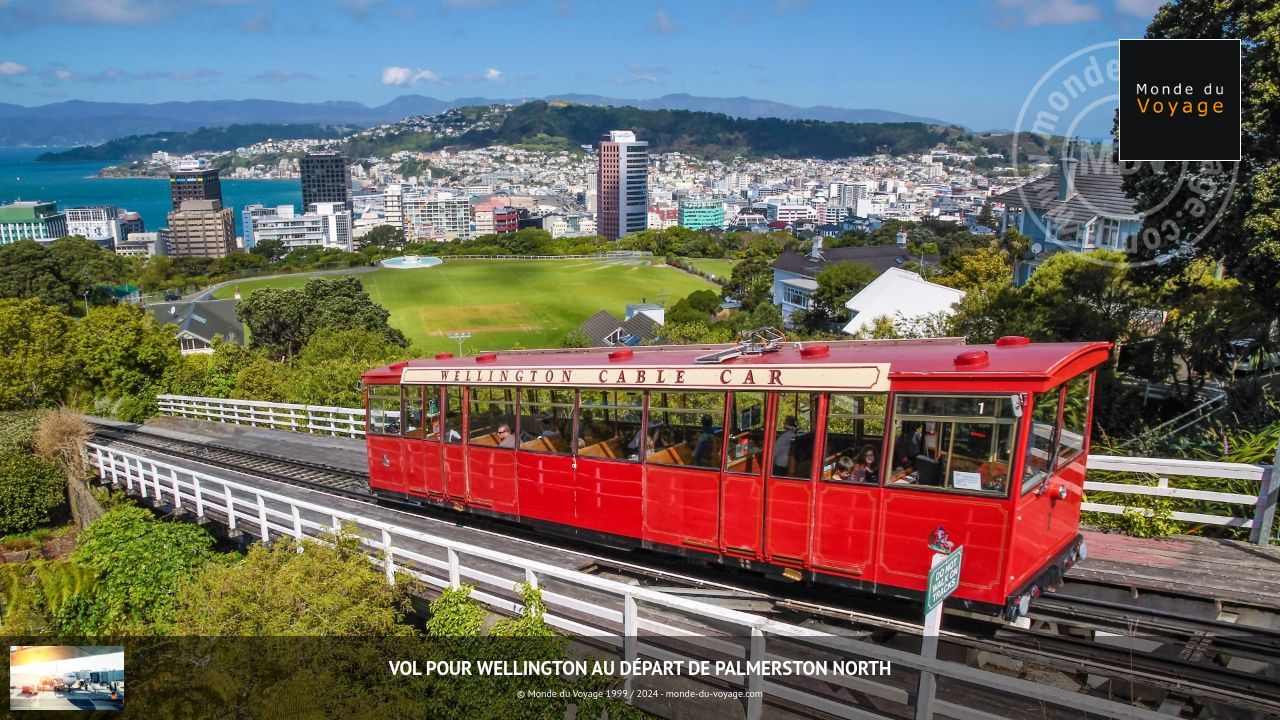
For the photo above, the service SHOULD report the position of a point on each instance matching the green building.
(39, 221)
(699, 214)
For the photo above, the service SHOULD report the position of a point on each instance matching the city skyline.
(902, 58)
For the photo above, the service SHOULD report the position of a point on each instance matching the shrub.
(17, 430)
(60, 436)
(30, 489)
(135, 409)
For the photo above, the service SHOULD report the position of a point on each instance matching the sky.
(967, 61)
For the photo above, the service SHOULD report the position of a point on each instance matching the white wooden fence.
(634, 620)
(350, 422)
(315, 419)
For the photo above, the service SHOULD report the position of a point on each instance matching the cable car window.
(431, 410)
(746, 433)
(546, 421)
(958, 443)
(855, 434)
(1075, 413)
(793, 440)
(686, 428)
(1043, 440)
(412, 411)
(384, 409)
(492, 417)
(453, 414)
(609, 424)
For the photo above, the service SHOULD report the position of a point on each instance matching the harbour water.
(71, 184)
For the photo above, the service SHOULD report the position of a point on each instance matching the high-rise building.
(623, 186)
(202, 228)
(26, 220)
(699, 214)
(100, 223)
(325, 179)
(194, 184)
(249, 215)
(130, 222)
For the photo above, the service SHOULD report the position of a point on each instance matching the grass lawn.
(504, 302)
(713, 266)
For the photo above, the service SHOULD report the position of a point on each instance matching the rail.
(638, 622)
(314, 419)
(1162, 470)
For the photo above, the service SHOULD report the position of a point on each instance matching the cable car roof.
(825, 365)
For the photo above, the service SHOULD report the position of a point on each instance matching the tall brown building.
(193, 185)
(202, 228)
(622, 190)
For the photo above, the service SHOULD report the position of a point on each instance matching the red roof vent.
(486, 357)
(443, 356)
(815, 351)
(972, 359)
(623, 354)
(1013, 341)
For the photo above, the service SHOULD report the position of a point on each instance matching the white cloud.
(1140, 8)
(495, 75)
(648, 70)
(394, 75)
(88, 12)
(642, 78)
(276, 77)
(9, 68)
(662, 22)
(1051, 12)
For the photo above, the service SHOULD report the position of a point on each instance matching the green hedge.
(30, 489)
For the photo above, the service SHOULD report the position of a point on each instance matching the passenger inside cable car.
(954, 442)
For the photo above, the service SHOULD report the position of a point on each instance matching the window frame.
(406, 391)
(370, 392)
(1029, 484)
(471, 400)
(568, 436)
(858, 417)
(891, 431)
(730, 422)
(642, 425)
(684, 411)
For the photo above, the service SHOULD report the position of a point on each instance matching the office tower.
(623, 185)
(193, 184)
(202, 228)
(28, 220)
(325, 179)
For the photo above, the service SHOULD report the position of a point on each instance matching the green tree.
(85, 265)
(30, 270)
(987, 217)
(1083, 296)
(273, 250)
(750, 283)
(985, 267)
(575, 338)
(1246, 235)
(262, 379)
(223, 367)
(328, 589)
(142, 564)
(383, 236)
(124, 351)
(837, 283)
(282, 321)
(37, 358)
(30, 489)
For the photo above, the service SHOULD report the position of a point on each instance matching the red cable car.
(848, 463)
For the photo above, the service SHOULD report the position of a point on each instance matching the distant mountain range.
(80, 122)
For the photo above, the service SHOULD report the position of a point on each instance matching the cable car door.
(454, 453)
(847, 494)
(789, 476)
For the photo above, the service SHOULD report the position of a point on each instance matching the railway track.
(1190, 659)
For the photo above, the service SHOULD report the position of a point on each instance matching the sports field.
(712, 266)
(504, 302)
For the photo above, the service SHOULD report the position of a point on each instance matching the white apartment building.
(99, 223)
(145, 244)
(436, 217)
(327, 225)
(483, 220)
(789, 212)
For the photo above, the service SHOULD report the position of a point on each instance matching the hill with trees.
(215, 139)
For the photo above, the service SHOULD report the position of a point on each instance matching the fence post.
(630, 636)
(231, 507)
(262, 518)
(755, 680)
(391, 564)
(455, 572)
(1265, 515)
(297, 526)
(195, 483)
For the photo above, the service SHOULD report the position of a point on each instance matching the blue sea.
(71, 184)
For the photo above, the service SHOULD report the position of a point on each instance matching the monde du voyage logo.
(1180, 100)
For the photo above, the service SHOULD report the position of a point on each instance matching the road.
(63, 700)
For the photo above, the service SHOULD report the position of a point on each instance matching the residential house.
(605, 330)
(1078, 208)
(795, 275)
(199, 322)
(901, 295)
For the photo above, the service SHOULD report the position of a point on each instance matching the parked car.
(1251, 356)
